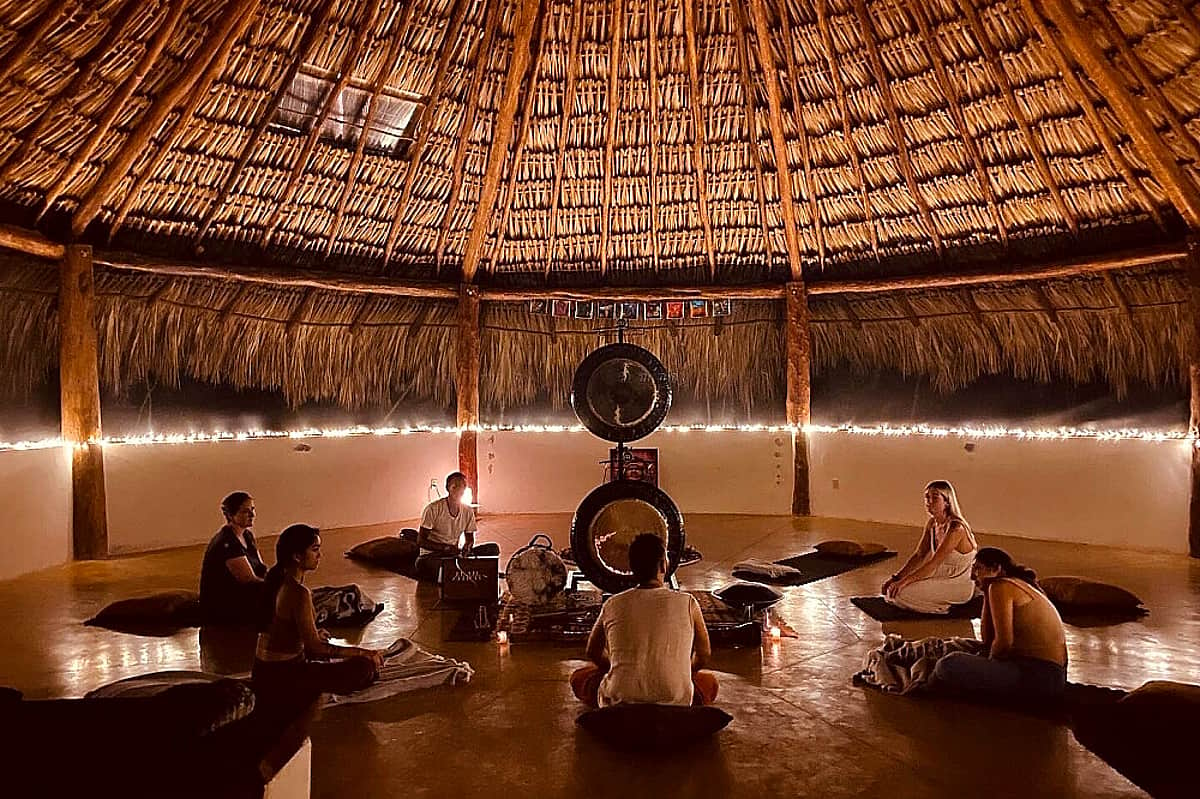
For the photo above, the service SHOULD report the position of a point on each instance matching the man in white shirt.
(649, 643)
(448, 530)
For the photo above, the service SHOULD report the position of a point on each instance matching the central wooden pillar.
(799, 390)
(466, 383)
(79, 381)
(1193, 273)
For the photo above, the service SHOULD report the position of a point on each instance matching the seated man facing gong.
(649, 643)
(448, 530)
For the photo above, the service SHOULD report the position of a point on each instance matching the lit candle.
(776, 633)
(502, 637)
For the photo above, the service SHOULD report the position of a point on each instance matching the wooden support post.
(466, 384)
(799, 391)
(1193, 271)
(79, 380)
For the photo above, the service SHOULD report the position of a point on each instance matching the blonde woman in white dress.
(938, 574)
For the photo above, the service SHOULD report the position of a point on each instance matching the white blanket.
(901, 667)
(408, 667)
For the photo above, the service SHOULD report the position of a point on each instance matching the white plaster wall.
(1119, 493)
(727, 472)
(169, 495)
(35, 492)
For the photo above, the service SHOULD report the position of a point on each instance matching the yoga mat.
(815, 566)
(880, 609)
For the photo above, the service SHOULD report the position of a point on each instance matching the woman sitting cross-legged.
(649, 643)
(1022, 634)
(284, 666)
(231, 577)
(938, 574)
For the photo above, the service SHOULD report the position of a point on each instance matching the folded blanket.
(901, 667)
(765, 570)
(408, 667)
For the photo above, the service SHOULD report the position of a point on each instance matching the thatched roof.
(596, 143)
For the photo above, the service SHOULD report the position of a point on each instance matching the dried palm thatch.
(360, 352)
(635, 137)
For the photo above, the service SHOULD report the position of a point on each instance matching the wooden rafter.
(361, 314)
(535, 69)
(449, 45)
(386, 68)
(85, 67)
(1118, 293)
(1074, 87)
(1161, 162)
(153, 297)
(1045, 303)
(1150, 88)
(315, 27)
(851, 315)
(115, 103)
(564, 126)
(237, 15)
(910, 313)
(652, 66)
(530, 12)
(300, 167)
(15, 58)
(200, 90)
(470, 108)
(954, 104)
(783, 171)
(616, 31)
(230, 307)
(839, 88)
(699, 146)
(789, 52)
(302, 310)
(883, 83)
(980, 320)
(760, 182)
(994, 64)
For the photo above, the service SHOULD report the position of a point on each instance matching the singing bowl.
(621, 392)
(606, 523)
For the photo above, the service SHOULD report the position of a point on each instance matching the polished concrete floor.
(801, 728)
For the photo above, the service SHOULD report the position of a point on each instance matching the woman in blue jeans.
(1026, 649)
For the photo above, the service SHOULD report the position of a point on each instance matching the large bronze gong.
(607, 521)
(621, 392)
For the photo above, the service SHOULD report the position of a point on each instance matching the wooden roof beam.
(216, 64)
(994, 64)
(783, 172)
(1046, 304)
(814, 207)
(851, 314)
(564, 125)
(470, 108)
(980, 320)
(1161, 162)
(85, 68)
(238, 14)
(839, 88)
(518, 66)
(910, 313)
(889, 102)
(300, 167)
(303, 308)
(611, 107)
(446, 51)
(699, 146)
(760, 181)
(386, 69)
(361, 314)
(230, 307)
(1067, 70)
(15, 58)
(531, 88)
(1118, 293)
(316, 26)
(946, 84)
(116, 102)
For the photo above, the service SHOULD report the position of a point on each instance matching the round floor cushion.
(638, 726)
(849, 549)
(390, 552)
(179, 608)
(1081, 594)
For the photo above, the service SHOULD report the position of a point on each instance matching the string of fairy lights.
(966, 431)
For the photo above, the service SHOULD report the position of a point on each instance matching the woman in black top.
(231, 577)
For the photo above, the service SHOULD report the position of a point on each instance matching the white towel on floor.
(408, 667)
(765, 568)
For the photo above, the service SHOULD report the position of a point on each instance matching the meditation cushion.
(756, 569)
(849, 549)
(390, 552)
(636, 726)
(168, 609)
(1146, 737)
(1080, 594)
(746, 594)
(195, 703)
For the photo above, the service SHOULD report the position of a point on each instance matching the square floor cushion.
(390, 552)
(849, 549)
(744, 593)
(1078, 594)
(1149, 736)
(638, 726)
(165, 609)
